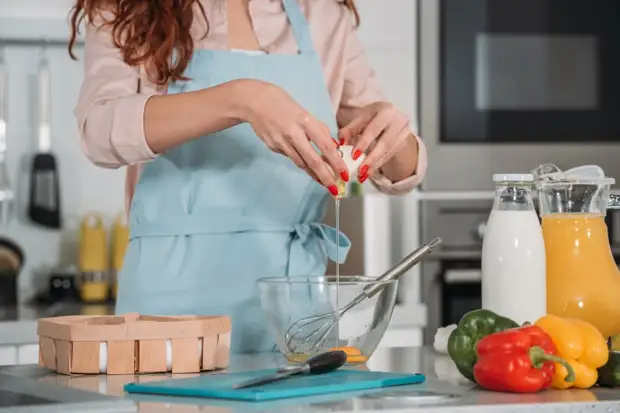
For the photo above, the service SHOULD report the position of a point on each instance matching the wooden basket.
(134, 343)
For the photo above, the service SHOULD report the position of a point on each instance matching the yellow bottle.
(93, 260)
(120, 240)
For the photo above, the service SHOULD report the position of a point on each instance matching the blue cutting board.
(220, 386)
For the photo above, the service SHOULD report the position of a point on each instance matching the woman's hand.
(288, 129)
(380, 130)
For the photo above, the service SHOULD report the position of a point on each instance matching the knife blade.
(319, 364)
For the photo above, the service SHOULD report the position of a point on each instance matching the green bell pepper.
(472, 327)
(609, 374)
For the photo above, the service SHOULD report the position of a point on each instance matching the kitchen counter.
(18, 324)
(456, 394)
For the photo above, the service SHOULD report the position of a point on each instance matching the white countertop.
(441, 375)
(18, 324)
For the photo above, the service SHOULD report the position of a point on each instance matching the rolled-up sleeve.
(361, 88)
(110, 107)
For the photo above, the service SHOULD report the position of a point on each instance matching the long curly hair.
(147, 31)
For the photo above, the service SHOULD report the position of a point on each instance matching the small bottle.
(120, 240)
(513, 252)
(93, 277)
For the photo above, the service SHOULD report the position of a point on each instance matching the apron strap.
(300, 26)
(306, 236)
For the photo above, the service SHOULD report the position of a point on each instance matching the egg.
(346, 152)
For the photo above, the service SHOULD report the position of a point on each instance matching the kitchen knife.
(319, 364)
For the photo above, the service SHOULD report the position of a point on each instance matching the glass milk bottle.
(513, 252)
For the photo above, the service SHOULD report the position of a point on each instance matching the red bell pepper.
(518, 360)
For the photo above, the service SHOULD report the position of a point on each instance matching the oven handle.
(463, 276)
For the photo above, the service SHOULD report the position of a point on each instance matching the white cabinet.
(401, 337)
(8, 355)
(37, 9)
(28, 354)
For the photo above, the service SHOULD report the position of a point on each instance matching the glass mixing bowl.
(287, 300)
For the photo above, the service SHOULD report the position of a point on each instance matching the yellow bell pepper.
(581, 344)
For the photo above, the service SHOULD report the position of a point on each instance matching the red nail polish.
(362, 178)
(333, 189)
(341, 141)
(363, 170)
(356, 154)
(345, 176)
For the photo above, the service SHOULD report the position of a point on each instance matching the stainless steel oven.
(451, 277)
(507, 85)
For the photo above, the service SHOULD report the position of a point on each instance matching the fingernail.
(337, 144)
(363, 170)
(345, 176)
(341, 141)
(356, 154)
(333, 189)
(362, 178)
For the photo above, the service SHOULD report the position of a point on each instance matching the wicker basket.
(134, 343)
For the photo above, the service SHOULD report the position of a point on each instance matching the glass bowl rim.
(321, 279)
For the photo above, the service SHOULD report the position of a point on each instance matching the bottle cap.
(513, 178)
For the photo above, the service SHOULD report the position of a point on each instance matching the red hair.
(147, 31)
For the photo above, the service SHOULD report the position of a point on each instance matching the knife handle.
(326, 362)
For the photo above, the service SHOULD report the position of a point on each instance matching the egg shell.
(352, 165)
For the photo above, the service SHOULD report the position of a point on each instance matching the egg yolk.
(354, 355)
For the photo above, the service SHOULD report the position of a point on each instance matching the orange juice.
(583, 281)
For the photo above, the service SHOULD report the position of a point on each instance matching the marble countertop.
(449, 391)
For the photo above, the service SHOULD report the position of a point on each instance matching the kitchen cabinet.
(28, 354)
(401, 337)
(39, 9)
(19, 354)
(8, 355)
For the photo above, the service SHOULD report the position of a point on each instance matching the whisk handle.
(402, 267)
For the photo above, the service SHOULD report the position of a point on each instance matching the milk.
(513, 266)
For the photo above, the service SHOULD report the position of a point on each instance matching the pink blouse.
(110, 106)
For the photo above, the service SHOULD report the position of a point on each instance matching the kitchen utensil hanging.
(44, 206)
(6, 192)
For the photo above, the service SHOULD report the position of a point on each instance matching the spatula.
(319, 364)
(44, 202)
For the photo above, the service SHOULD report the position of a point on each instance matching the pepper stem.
(538, 356)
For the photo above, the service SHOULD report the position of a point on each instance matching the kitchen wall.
(387, 31)
(84, 187)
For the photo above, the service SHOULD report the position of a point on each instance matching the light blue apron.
(213, 215)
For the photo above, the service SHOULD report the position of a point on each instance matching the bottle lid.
(513, 178)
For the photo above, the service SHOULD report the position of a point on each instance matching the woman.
(215, 105)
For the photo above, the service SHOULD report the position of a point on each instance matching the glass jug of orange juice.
(583, 281)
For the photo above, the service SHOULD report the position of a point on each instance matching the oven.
(507, 85)
(451, 277)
